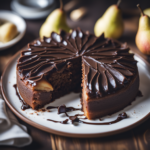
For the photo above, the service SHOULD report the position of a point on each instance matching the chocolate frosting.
(107, 63)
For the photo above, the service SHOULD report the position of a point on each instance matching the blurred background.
(89, 12)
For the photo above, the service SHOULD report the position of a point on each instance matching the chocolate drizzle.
(139, 94)
(119, 118)
(107, 64)
(62, 122)
(73, 119)
(63, 108)
(52, 107)
(24, 105)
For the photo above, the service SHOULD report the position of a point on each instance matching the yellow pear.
(111, 23)
(43, 85)
(147, 12)
(54, 22)
(143, 35)
(8, 31)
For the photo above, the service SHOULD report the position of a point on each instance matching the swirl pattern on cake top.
(108, 65)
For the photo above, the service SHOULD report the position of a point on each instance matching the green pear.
(54, 22)
(143, 34)
(111, 23)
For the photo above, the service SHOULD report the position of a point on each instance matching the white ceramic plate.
(30, 13)
(19, 22)
(138, 111)
(33, 5)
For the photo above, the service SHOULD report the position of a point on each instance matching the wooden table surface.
(137, 138)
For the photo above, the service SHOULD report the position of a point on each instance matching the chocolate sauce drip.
(73, 119)
(74, 115)
(79, 115)
(139, 94)
(72, 109)
(119, 118)
(63, 108)
(24, 105)
(76, 119)
(107, 64)
(52, 107)
(62, 122)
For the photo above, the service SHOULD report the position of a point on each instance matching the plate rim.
(61, 133)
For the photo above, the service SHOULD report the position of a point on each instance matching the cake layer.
(63, 81)
(99, 107)
(34, 99)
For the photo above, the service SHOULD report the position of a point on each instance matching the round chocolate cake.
(56, 65)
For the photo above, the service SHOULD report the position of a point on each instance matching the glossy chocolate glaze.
(24, 105)
(107, 63)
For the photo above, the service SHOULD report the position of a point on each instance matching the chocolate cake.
(56, 65)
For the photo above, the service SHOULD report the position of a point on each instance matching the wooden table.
(137, 138)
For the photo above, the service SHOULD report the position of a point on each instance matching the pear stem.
(61, 4)
(118, 3)
(138, 5)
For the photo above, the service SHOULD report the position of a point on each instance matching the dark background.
(95, 10)
(137, 138)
